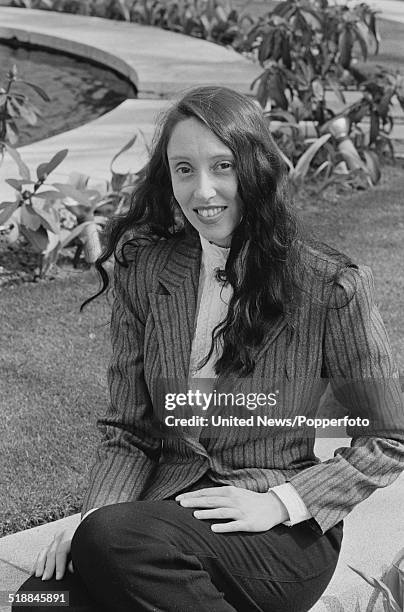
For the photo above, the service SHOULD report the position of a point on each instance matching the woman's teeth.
(211, 212)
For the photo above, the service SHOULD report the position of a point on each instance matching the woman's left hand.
(247, 510)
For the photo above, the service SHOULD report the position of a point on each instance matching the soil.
(19, 264)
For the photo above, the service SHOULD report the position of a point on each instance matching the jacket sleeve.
(357, 361)
(128, 453)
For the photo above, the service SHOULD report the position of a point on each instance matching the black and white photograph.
(201, 297)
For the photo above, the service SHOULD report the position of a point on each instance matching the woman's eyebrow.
(185, 157)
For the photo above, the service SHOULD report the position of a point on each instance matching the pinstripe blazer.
(152, 326)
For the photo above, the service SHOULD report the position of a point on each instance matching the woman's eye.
(226, 165)
(183, 170)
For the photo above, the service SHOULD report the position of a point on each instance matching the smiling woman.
(218, 289)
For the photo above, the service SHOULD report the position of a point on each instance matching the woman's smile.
(210, 214)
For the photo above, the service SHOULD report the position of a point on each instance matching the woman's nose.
(204, 188)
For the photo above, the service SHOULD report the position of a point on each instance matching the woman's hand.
(247, 510)
(54, 557)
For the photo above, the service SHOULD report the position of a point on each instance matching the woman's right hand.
(54, 557)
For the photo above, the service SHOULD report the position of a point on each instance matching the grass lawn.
(52, 372)
(369, 226)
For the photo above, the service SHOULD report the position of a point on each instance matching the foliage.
(213, 20)
(301, 166)
(305, 47)
(308, 48)
(209, 19)
(50, 217)
(68, 213)
(15, 106)
(34, 4)
(379, 88)
(390, 586)
(317, 162)
(38, 214)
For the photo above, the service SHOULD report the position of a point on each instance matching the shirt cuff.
(87, 513)
(294, 504)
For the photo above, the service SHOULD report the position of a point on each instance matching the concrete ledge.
(92, 146)
(21, 549)
(10, 578)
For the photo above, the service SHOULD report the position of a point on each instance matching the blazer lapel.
(174, 313)
(174, 308)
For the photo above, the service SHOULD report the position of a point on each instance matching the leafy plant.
(93, 206)
(110, 9)
(38, 214)
(305, 47)
(299, 172)
(51, 217)
(380, 88)
(213, 20)
(390, 586)
(318, 161)
(15, 106)
(85, 204)
(34, 4)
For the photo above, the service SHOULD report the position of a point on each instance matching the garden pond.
(79, 90)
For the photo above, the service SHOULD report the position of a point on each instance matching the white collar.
(213, 256)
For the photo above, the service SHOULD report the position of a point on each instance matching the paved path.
(165, 62)
(389, 9)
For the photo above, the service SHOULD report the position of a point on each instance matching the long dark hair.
(266, 263)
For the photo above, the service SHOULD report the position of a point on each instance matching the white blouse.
(212, 304)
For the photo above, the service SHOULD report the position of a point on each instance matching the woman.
(218, 290)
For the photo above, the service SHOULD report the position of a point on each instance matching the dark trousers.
(156, 556)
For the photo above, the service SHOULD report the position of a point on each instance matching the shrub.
(50, 217)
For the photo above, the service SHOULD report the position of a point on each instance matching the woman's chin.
(219, 238)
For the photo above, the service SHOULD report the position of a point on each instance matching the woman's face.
(204, 181)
